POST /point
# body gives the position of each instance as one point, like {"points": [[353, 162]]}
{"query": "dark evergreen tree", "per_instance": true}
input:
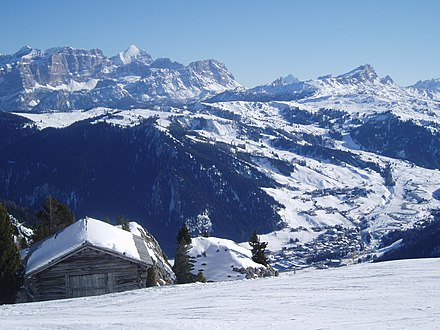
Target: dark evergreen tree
{"points": [[200, 277], [121, 221], [182, 263], [53, 217], [183, 235], [9, 259], [387, 174], [126, 226], [258, 249], [151, 277]]}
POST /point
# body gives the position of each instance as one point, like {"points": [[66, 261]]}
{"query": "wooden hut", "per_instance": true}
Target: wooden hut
{"points": [[88, 258]]}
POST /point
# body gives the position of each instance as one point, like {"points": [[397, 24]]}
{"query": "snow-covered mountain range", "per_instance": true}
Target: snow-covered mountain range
{"points": [[64, 79], [323, 167]]}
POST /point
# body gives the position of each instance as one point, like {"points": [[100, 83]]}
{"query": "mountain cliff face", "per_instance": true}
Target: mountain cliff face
{"points": [[324, 168], [63, 79]]}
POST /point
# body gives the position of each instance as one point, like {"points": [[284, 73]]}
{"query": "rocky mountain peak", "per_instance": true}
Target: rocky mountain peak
{"points": [[217, 73], [131, 54], [133, 50], [205, 65], [23, 51], [287, 80], [67, 50], [363, 73], [387, 80]]}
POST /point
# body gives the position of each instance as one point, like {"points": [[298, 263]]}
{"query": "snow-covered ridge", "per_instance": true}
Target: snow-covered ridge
{"points": [[359, 92], [122, 118], [431, 84], [132, 53], [362, 73], [217, 258]]}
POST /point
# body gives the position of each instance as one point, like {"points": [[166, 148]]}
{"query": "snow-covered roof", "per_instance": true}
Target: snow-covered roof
{"points": [[87, 231]]}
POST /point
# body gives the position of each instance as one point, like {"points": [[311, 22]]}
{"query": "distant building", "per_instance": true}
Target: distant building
{"points": [[334, 262], [89, 258]]}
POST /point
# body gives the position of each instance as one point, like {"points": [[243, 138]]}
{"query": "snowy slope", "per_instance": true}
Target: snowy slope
{"points": [[63, 119], [21, 232], [217, 258], [126, 118], [317, 192], [390, 295]]}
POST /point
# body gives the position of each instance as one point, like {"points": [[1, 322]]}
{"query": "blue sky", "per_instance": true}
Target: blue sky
{"points": [[257, 40]]}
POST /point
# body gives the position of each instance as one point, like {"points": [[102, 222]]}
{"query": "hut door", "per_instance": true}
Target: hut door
{"points": [[88, 285]]}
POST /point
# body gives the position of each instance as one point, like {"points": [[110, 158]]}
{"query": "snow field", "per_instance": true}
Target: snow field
{"points": [[391, 295]]}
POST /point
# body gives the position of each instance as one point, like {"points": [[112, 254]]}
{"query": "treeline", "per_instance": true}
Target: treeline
{"points": [[10, 265]]}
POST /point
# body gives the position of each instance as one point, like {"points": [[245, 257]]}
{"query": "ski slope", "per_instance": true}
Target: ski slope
{"points": [[391, 295]]}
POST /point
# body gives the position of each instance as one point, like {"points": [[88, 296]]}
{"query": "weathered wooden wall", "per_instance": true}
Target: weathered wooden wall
{"points": [[120, 274]]}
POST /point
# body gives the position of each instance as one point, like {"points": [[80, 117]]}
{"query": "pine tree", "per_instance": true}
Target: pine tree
{"points": [[200, 277], [121, 221], [9, 259], [182, 266], [258, 249], [53, 217], [182, 263], [151, 277], [184, 235]]}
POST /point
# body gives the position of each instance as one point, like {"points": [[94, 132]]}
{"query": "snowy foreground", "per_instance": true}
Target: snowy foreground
{"points": [[392, 295]]}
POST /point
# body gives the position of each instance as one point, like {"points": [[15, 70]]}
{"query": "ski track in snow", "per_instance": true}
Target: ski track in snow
{"points": [[390, 295]]}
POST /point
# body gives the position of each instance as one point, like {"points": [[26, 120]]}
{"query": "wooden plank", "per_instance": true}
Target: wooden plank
{"points": [[54, 283], [87, 285], [111, 282]]}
